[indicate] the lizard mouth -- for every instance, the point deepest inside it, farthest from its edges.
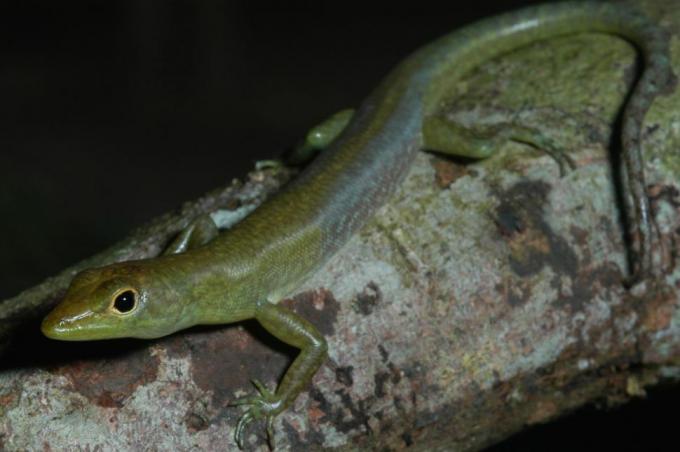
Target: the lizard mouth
(61, 326)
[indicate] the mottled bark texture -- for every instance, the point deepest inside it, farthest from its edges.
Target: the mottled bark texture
(484, 298)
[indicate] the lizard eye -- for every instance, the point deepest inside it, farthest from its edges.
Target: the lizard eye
(125, 302)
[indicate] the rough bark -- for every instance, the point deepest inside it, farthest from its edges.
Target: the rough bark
(483, 298)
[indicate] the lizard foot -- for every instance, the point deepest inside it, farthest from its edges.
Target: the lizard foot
(265, 405)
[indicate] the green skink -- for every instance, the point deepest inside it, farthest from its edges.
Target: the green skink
(207, 277)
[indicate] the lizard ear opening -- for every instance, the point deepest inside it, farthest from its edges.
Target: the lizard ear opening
(124, 302)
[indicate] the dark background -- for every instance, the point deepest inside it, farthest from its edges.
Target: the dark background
(112, 113)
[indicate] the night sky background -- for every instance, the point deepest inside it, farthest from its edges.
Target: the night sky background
(113, 113)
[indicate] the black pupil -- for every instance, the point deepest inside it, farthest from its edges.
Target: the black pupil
(125, 302)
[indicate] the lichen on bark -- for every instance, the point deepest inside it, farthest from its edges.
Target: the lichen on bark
(481, 299)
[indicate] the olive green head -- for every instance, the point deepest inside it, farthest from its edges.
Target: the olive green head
(120, 300)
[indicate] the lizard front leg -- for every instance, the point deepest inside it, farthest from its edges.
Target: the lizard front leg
(292, 329)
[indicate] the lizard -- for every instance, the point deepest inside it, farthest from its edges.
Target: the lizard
(210, 277)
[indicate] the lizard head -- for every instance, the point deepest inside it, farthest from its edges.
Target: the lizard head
(119, 300)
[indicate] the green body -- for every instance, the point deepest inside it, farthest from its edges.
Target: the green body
(211, 278)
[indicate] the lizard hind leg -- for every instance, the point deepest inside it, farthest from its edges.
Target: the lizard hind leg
(316, 140)
(482, 141)
(319, 137)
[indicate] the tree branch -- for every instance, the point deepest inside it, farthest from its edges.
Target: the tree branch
(483, 298)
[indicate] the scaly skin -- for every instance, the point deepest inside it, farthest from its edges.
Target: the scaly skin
(242, 272)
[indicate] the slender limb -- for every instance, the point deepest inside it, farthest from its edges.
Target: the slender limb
(199, 232)
(479, 142)
(320, 137)
(292, 329)
(317, 139)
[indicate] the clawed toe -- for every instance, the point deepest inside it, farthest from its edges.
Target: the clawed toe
(264, 405)
(243, 422)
